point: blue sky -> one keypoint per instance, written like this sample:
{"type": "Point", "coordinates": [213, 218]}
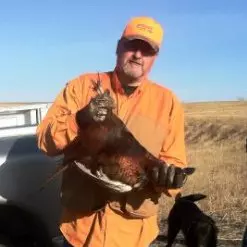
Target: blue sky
{"type": "Point", "coordinates": [45, 43]}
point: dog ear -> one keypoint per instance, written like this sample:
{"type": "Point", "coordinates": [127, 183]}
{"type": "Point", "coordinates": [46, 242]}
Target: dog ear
{"type": "Point", "coordinates": [189, 170]}
{"type": "Point", "coordinates": [194, 197]}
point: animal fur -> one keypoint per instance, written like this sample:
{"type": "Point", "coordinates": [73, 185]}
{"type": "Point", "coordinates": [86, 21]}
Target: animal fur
{"type": "Point", "coordinates": [198, 229]}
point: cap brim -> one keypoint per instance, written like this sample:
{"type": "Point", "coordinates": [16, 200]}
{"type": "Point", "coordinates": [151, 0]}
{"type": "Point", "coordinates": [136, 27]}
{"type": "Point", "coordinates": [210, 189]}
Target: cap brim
{"type": "Point", "coordinates": [150, 42]}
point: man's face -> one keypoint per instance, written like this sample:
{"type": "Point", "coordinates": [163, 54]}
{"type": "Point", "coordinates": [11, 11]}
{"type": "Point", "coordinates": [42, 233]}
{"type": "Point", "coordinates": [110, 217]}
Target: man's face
{"type": "Point", "coordinates": [135, 58]}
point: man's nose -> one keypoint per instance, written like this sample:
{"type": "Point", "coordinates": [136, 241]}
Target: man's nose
{"type": "Point", "coordinates": [138, 53]}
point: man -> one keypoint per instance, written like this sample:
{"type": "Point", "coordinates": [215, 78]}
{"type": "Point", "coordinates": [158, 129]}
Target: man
{"type": "Point", "coordinates": [151, 112]}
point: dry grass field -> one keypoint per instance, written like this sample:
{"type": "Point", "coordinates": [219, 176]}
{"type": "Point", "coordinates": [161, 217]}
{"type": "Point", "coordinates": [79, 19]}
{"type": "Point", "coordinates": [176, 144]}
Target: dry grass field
{"type": "Point", "coordinates": [216, 134]}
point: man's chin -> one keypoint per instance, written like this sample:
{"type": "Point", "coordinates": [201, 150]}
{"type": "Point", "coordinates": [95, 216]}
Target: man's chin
{"type": "Point", "coordinates": [133, 75]}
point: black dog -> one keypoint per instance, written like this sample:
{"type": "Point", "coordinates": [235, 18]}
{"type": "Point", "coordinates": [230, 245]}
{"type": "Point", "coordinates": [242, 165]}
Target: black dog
{"type": "Point", "coordinates": [199, 230]}
{"type": "Point", "coordinates": [244, 241]}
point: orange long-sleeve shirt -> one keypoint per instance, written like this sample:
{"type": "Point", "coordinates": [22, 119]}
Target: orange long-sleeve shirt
{"type": "Point", "coordinates": [156, 118]}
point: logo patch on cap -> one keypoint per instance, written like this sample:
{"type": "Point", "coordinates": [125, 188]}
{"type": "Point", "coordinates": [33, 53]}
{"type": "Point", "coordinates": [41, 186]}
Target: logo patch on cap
{"type": "Point", "coordinates": [145, 28]}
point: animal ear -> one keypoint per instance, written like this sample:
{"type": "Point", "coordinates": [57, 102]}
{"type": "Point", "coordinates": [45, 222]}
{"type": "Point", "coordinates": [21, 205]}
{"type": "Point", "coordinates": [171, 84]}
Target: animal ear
{"type": "Point", "coordinates": [189, 170]}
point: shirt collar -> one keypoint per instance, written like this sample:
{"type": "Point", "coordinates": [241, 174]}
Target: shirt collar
{"type": "Point", "coordinates": [117, 87]}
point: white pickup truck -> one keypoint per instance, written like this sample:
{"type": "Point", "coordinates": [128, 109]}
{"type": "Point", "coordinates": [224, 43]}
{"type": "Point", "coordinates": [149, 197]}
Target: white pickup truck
{"type": "Point", "coordinates": [23, 169]}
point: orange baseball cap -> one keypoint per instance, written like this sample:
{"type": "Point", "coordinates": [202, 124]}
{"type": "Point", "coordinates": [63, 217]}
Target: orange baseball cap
{"type": "Point", "coordinates": [144, 28]}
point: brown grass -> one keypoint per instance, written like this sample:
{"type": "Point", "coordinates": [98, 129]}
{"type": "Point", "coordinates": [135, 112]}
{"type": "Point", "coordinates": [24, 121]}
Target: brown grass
{"type": "Point", "coordinates": [216, 136]}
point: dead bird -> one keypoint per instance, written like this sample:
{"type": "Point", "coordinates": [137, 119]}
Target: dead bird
{"type": "Point", "coordinates": [198, 228]}
{"type": "Point", "coordinates": [118, 154]}
{"type": "Point", "coordinates": [109, 150]}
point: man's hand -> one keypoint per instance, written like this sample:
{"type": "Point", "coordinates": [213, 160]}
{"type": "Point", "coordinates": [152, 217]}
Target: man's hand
{"type": "Point", "coordinates": [168, 176]}
{"type": "Point", "coordinates": [97, 109]}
